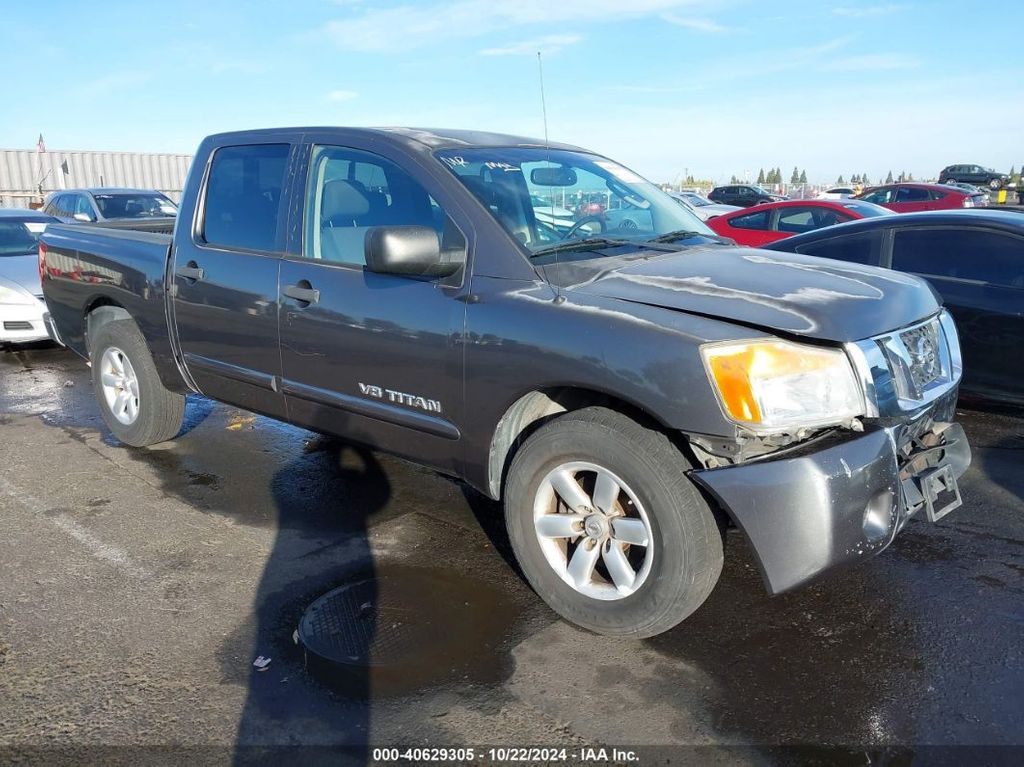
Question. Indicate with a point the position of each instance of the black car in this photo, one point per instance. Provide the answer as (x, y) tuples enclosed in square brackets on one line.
[(973, 258), (973, 174), (743, 195)]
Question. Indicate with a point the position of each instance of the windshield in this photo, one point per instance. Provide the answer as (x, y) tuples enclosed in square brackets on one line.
[(523, 188), (16, 239), (696, 200), (135, 205)]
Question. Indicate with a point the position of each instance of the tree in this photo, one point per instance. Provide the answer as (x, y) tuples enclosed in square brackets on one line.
[(888, 178), (795, 176), (910, 177), (840, 180), (734, 180), (864, 179), (855, 179), (902, 177), (803, 176), (760, 176), (778, 175)]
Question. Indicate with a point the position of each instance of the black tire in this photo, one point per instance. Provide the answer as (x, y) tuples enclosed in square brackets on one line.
[(160, 411), (995, 184), (685, 535)]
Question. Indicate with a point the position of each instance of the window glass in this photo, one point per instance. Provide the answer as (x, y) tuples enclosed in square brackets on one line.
[(751, 221), (964, 254), (135, 205), (858, 249), (82, 205), (912, 194), (16, 239), (806, 219), (879, 196), (243, 196), (349, 191)]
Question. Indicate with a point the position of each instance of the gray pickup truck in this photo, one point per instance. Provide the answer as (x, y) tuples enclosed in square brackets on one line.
[(627, 392)]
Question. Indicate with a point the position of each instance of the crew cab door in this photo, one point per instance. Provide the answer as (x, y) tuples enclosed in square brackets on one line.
[(375, 357), (224, 277)]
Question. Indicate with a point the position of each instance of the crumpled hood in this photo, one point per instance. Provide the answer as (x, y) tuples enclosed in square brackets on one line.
[(23, 271), (791, 293)]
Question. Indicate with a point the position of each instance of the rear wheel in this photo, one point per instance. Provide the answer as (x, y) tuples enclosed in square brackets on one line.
[(995, 183), (133, 402), (606, 526)]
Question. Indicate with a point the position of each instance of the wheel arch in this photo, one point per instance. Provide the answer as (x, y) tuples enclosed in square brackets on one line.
[(536, 407), (99, 312)]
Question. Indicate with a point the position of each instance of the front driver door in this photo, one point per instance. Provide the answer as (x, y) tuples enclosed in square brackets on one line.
[(377, 358)]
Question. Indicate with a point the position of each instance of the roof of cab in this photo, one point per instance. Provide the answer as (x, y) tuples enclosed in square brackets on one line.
[(430, 138)]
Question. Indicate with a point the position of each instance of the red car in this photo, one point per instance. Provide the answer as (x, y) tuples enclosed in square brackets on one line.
[(909, 198), (773, 221)]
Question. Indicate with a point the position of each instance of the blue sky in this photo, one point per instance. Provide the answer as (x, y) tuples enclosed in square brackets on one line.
[(718, 87)]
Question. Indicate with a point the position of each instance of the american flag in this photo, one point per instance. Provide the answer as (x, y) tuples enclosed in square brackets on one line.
[(40, 145)]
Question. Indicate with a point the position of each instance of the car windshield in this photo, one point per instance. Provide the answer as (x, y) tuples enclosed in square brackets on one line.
[(610, 204), (867, 209), (696, 200), (135, 205), (16, 239)]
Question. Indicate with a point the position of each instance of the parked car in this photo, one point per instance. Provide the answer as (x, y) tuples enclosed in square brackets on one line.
[(838, 193), (973, 174), (701, 206), (624, 394), (775, 220), (553, 215), (103, 204), (743, 195), (21, 294), (975, 259), (910, 198), (971, 189)]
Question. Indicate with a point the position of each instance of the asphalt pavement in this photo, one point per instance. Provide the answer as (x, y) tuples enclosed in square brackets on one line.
[(137, 588)]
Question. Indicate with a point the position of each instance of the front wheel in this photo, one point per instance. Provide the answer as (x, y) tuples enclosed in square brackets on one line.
[(994, 184), (133, 402), (606, 526)]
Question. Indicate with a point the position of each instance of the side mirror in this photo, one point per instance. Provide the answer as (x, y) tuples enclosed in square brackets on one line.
[(413, 251), (84, 217)]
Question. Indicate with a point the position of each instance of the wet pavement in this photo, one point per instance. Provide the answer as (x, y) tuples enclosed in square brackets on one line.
[(138, 587)]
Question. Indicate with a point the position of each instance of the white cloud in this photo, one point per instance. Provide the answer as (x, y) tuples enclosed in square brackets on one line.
[(867, 11), (695, 23), (548, 44), (338, 96), (874, 62), (407, 26)]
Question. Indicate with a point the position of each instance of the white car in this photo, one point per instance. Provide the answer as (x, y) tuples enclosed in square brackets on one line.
[(21, 292), (701, 206), (552, 215), (838, 193)]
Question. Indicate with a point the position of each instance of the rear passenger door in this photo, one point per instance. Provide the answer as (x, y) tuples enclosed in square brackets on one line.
[(225, 272), (912, 198), (375, 357), (980, 275)]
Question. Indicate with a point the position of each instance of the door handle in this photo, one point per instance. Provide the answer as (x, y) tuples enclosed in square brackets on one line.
[(191, 271), (303, 292)]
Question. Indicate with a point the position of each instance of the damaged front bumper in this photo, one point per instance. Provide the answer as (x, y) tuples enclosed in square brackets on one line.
[(841, 500)]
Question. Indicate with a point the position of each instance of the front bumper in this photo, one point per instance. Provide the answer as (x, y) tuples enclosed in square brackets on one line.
[(22, 323), (845, 501)]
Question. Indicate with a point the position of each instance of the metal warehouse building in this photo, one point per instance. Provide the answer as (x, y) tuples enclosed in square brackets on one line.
[(26, 172)]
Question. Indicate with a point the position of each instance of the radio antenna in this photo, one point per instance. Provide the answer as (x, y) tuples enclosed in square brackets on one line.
[(543, 102)]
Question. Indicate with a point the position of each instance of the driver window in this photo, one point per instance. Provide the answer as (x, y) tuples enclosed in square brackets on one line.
[(350, 191)]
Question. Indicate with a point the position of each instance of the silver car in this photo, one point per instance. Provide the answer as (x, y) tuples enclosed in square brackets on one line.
[(21, 293), (701, 206)]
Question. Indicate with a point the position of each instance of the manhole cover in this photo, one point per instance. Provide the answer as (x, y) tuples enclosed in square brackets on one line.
[(406, 626)]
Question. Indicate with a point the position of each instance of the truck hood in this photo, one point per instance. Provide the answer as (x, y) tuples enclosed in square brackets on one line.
[(790, 293)]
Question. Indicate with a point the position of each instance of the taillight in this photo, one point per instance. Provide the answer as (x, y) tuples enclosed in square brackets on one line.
[(968, 202), (42, 260)]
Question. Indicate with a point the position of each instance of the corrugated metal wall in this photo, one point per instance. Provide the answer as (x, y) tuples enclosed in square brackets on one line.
[(22, 171)]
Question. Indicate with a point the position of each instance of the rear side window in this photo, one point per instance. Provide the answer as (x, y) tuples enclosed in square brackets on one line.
[(912, 194), (975, 255), (243, 196), (757, 220), (858, 249)]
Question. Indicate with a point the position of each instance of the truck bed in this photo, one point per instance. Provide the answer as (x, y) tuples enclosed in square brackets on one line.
[(89, 266)]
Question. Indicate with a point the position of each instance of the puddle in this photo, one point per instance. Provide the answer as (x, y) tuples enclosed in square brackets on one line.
[(407, 629)]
